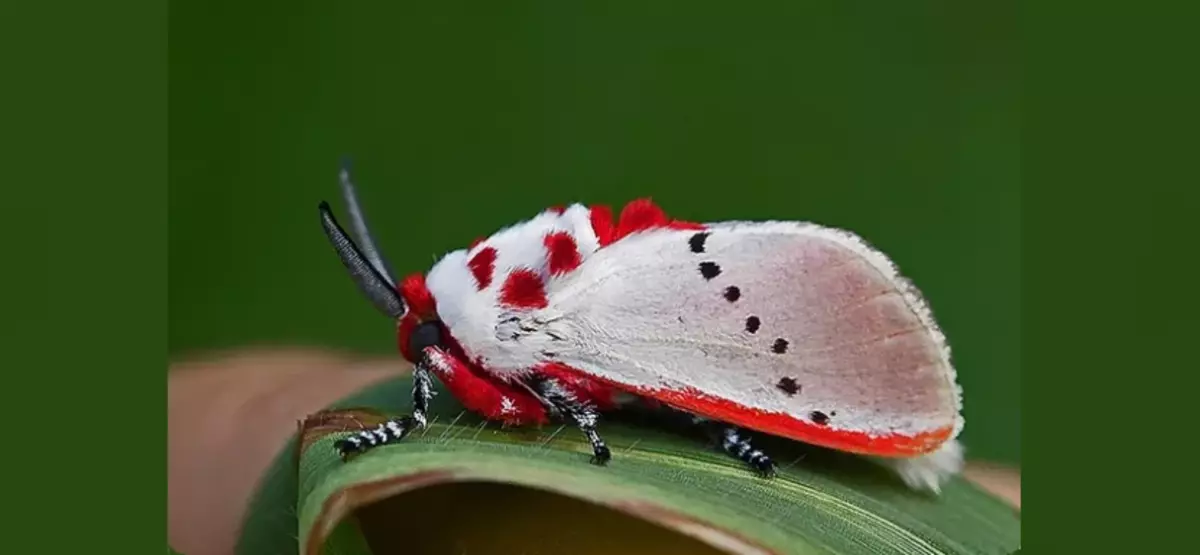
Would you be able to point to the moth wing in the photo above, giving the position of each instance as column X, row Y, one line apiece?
column 788, row 328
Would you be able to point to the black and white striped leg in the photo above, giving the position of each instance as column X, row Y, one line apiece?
column 422, row 392
column 735, row 442
column 395, row 429
column 389, row 432
column 582, row 414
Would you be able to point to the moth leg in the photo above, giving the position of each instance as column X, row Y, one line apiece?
column 736, row 443
column 491, row 399
column 394, row 429
column 389, row 432
column 582, row 413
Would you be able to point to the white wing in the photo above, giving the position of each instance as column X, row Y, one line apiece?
column 775, row 318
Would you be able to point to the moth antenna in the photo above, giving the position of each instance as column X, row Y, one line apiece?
column 370, row 281
column 358, row 222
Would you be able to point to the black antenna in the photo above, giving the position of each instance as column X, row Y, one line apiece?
column 358, row 222
column 379, row 289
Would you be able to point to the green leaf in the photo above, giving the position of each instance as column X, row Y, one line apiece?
column 544, row 491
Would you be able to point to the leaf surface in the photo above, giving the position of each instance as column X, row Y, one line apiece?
column 820, row 502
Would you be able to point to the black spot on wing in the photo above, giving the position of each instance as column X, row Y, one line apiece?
column 789, row 386
column 697, row 242
column 780, row 346
column 819, row 418
column 732, row 293
column 752, row 324
column 709, row 270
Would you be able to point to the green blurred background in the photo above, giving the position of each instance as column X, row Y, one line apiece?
column 899, row 121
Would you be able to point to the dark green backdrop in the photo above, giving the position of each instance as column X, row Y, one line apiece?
column 897, row 121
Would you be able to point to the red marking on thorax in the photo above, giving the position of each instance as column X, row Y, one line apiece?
column 638, row 215
column 523, row 289
column 482, row 265
column 417, row 296
column 562, row 253
column 601, row 217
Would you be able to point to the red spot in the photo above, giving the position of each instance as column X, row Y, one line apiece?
column 482, row 265
column 643, row 214
column 602, row 225
column 558, row 209
column 639, row 215
column 523, row 289
column 562, row 254
column 477, row 242
column 785, row 425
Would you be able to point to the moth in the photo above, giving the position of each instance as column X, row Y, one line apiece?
column 785, row 328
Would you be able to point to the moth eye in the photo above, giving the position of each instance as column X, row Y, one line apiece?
column 426, row 334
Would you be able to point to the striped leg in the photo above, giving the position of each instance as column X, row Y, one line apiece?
column 734, row 442
column 582, row 413
column 389, row 432
column 395, row 429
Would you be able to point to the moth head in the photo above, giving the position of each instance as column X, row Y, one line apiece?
column 420, row 327
column 408, row 303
